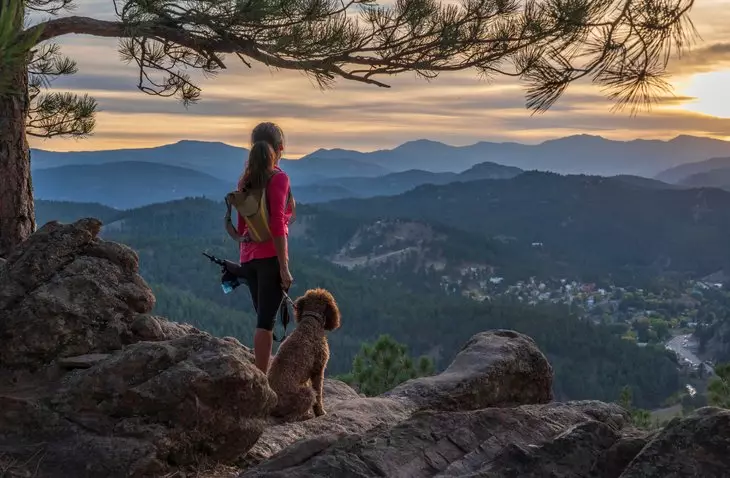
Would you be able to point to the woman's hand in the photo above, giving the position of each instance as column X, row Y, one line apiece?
column 286, row 278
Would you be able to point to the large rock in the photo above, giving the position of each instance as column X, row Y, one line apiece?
column 567, row 440
column 92, row 385
column 144, row 410
column 495, row 368
column 698, row 445
column 531, row 440
column 67, row 293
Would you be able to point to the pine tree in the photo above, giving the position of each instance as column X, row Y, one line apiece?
column 380, row 366
column 719, row 388
column 639, row 417
column 622, row 45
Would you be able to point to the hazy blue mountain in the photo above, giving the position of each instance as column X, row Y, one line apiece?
column 66, row 211
column 124, row 185
column 216, row 159
column 397, row 183
column 642, row 182
column 314, row 193
column 313, row 170
column 130, row 184
column 219, row 160
column 683, row 171
column 715, row 178
column 580, row 154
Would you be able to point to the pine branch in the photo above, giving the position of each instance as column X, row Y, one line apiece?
column 55, row 114
column 61, row 114
column 623, row 46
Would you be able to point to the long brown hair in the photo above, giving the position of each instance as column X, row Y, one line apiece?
column 260, row 165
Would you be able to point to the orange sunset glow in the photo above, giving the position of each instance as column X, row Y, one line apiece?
column 457, row 109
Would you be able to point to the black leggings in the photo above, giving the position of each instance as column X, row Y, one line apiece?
column 264, row 283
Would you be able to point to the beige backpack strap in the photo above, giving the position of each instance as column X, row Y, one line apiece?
column 230, row 228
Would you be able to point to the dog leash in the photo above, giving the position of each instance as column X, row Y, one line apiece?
column 284, row 313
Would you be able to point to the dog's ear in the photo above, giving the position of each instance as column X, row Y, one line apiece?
column 331, row 313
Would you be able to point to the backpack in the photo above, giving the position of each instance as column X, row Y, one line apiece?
column 252, row 205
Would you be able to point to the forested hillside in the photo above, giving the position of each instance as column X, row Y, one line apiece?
column 590, row 361
column 597, row 227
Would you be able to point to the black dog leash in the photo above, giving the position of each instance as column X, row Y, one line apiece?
column 286, row 301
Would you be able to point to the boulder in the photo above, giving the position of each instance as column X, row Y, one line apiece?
column 65, row 293
column 697, row 445
column 93, row 385
column 494, row 368
column 152, row 407
column 530, row 440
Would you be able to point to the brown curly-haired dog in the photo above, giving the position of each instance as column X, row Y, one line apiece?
column 297, row 370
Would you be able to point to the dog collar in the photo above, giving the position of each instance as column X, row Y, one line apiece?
column 316, row 315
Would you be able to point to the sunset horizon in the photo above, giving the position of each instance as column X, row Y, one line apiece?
column 456, row 108
column 287, row 156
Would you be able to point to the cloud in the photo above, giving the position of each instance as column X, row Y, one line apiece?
column 456, row 108
column 708, row 58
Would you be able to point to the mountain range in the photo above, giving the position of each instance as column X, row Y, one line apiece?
column 131, row 184
column 124, row 184
column 579, row 154
column 219, row 160
column 135, row 177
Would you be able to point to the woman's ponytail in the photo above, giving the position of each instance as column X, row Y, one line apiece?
column 260, row 164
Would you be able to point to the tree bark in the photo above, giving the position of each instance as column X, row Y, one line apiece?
column 17, row 214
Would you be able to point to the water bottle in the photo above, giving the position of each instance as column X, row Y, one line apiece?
column 228, row 286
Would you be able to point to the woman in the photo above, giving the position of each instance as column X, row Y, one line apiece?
column 266, row 264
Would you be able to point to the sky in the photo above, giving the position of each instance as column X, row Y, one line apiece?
column 457, row 108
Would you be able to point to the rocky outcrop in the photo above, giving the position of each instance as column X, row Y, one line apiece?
column 488, row 442
column 567, row 440
column 498, row 368
column 495, row 368
column 698, row 445
column 92, row 385
column 66, row 293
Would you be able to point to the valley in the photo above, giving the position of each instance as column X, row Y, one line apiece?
column 589, row 266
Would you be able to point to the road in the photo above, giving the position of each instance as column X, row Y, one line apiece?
column 681, row 346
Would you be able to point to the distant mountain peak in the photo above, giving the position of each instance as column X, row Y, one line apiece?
column 199, row 143
column 422, row 141
column 686, row 138
column 583, row 137
column 420, row 144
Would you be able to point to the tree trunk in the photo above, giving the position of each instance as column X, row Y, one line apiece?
column 17, row 215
